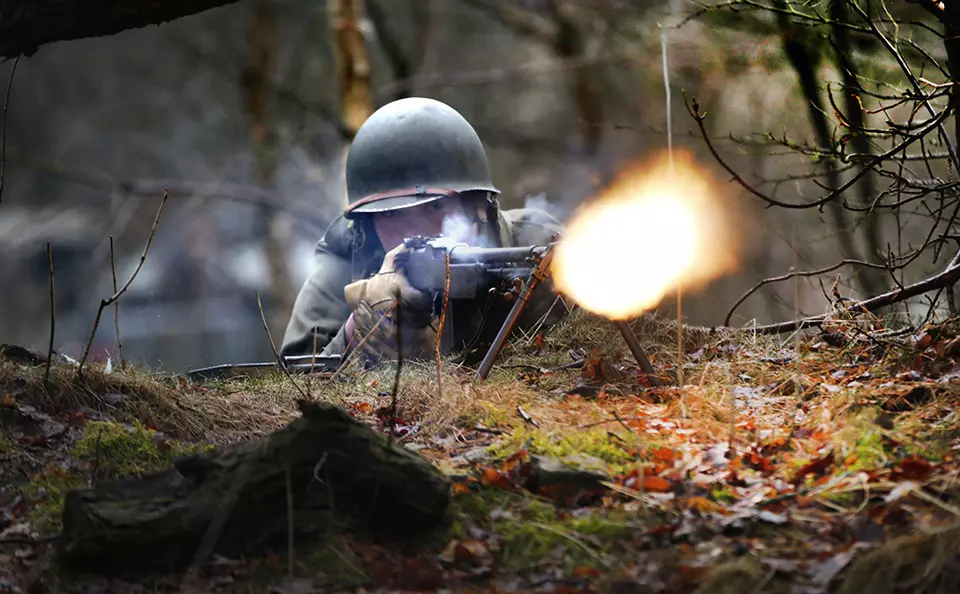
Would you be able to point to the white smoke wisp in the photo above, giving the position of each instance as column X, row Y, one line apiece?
column 459, row 228
column 538, row 202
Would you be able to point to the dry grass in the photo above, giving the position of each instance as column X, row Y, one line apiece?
column 144, row 396
column 746, row 392
column 922, row 563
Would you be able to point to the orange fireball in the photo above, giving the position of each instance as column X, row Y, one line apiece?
column 657, row 228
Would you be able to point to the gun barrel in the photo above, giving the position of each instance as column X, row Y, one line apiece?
column 464, row 254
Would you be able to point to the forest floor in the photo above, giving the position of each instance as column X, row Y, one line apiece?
column 825, row 464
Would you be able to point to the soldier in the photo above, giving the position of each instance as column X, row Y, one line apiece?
column 415, row 167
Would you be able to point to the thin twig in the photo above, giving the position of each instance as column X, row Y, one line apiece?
column 443, row 317
column 240, row 477
column 949, row 276
column 699, row 118
column 623, row 422
column 526, row 416
column 276, row 353
column 95, row 467
column 116, row 304
column 28, row 540
column 396, row 377
column 53, row 316
column 290, row 523
column 313, row 361
column 3, row 126
column 350, row 357
column 105, row 302
column 797, row 273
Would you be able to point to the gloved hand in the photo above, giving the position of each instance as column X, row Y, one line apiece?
column 373, row 297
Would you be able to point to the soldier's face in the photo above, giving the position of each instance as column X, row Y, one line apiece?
column 427, row 219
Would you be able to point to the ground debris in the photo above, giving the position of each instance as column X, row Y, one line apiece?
column 831, row 468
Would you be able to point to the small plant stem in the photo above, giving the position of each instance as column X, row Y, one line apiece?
column 116, row 304
column 53, row 315
column 276, row 353
column 105, row 302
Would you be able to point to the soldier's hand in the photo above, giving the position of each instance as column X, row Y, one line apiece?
column 373, row 298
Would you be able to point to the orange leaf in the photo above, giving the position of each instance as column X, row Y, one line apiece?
column 8, row 400
column 362, row 407
column 491, row 476
column 705, row 506
column 513, row 460
column 538, row 341
column 459, row 489
column 655, row 484
column 665, row 454
column 586, row 571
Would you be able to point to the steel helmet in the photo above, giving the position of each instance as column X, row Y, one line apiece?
column 413, row 151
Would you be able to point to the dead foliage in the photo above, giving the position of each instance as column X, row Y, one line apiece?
column 776, row 469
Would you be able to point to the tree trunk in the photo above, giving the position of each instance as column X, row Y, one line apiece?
column 804, row 60
column 258, row 89
column 25, row 25
column 234, row 501
column 569, row 45
column 353, row 64
column 843, row 56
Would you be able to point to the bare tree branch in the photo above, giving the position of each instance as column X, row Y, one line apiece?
column 25, row 25
column 116, row 295
column 517, row 19
column 3, row 126
column 948, row 277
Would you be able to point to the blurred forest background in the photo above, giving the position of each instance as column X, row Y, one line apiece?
column 245, row 112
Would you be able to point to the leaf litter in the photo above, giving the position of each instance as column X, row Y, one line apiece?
column 828, row 469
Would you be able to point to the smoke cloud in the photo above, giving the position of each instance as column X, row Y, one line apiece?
column 540, row 202
column 459, row 228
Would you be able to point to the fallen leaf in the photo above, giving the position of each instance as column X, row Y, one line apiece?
column 471, row 553
column 705, row 506
column 363, row 408
column 586, row 571
column 816, row 467
column 914, row 468
column 656, row 484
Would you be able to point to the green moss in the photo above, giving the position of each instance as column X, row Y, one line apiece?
column 6, row 444
column 571, row 446
column 531, row 530
column 45, row 493
column 112, row 451
column 723, row 494
column 870, row 451
column 116, row 450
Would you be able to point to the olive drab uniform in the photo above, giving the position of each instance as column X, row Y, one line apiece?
column 408, row 153
column 316, row 324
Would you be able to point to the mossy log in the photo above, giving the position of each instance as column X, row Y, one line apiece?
column 342, row 475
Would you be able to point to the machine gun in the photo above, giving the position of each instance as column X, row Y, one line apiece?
column 516, row 271
column 513, row 271
column 474, row 270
